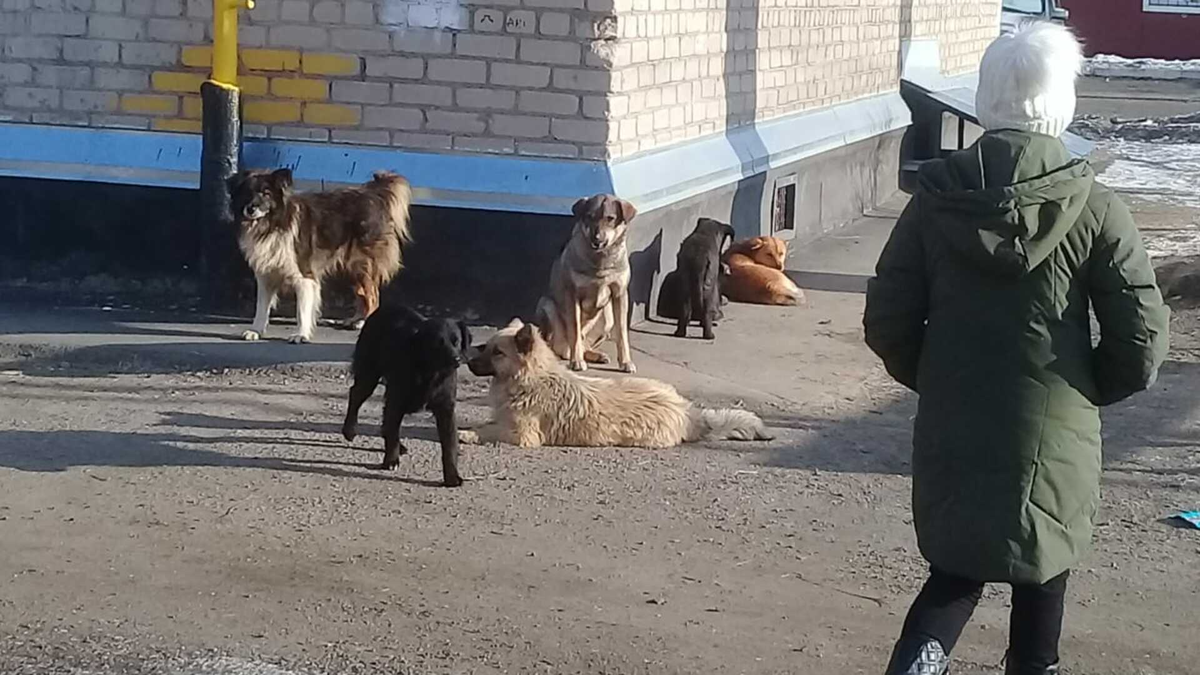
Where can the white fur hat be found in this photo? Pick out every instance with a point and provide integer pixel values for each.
(1027, 79)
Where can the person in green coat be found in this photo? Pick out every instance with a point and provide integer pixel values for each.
(981, 304)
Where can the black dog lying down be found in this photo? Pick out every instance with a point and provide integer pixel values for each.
(418, 359)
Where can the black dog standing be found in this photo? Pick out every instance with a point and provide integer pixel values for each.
(699, 266)
(418, 359)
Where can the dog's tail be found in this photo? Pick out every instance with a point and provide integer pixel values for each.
(399, 197)
(725, 423)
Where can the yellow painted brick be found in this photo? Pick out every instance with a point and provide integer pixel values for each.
(332, 114)
(312, 90)
(253, 85)
(197, 57)
(186, 126)
(182, 82)
(330, 64)
(193, 109)
(150, 104)
(271, 112)
(270, 59)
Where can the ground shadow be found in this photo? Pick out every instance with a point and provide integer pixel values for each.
(833, 282)
(645, 265)
(53, 451)
(408, 431)
(1154, 433)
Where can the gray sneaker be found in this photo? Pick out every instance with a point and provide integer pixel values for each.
(918, 658)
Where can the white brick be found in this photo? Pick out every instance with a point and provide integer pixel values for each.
(299, 134)
(10, 116)
(52, 5)
(582, 80)
(295, 11)
(423, 16)
(555, 4)
(458, 70)
(514, 75)
(422, 141)
(489, 20)
(265, 11)
(61, 119)
(168, 7)
(361, 40)
(596, 152)
(402, 67)
(539, 149)
(361, 92)
(139, 7)
(555, 23)
(487, 46)
(22, 5)
(503, 146)
(149, 54)
(252, 36)
(33, 47)
(14, 24)
(360, 13)
(550, 51)
(420, 41)
(31, 97)
(391, 117)
(491, 99)
(521, 126)
(441, 120)
(57, 23)
(298, 36)
(360, 137)
(90, 101)
(549, 102)
(178, 30)
(254, 130)
(115, 28)
(198, 9)
(522, 21)
(422, 94)
(454, 17)
(69, 77)
(108, 6)
(92, 51)
(586, 131)
(122, 78)
(328, 11)
(121, 121)
(15, 73)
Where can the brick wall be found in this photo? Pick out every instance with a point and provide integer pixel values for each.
(498, 76)
(558, 78)
(689, 68)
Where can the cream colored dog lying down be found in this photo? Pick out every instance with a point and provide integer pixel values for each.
(536, 401)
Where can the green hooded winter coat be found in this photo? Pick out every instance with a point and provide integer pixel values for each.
(980, 304)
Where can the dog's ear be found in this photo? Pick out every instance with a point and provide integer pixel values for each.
(727, 235)
(282, 178)
(525, 338)
(756, 243)
(580, 207)
(464, 334)
(628, 211)
(515, 323)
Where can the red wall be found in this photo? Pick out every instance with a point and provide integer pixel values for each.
(1121, 27)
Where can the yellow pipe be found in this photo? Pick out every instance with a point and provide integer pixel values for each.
(225, 47)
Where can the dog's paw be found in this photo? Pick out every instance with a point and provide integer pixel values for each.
(628, 368)
(349, 432)
(452, 481)
(299, 339)
(709, 336)
(357, 324)
(469, 436)
(680, 333)
(388, 465)
(578, 366)
(251, 335)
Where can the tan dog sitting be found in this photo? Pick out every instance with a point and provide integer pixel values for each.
(756, 273)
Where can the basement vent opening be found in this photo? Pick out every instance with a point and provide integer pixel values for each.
(783, 210)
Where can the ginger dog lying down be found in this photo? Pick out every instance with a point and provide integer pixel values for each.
(537, 401)
(756, 273)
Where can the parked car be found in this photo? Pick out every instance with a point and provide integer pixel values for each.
(1012, 12)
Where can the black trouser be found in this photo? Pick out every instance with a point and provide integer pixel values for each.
(946, 603)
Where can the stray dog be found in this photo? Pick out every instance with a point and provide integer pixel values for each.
(589, 286)
(418, 358)
(699, 265)
(756, 273)
(293, 241)
(536, 401)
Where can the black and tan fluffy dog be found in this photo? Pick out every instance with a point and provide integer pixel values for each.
(418, 359)
(699, 266)
(292, 241)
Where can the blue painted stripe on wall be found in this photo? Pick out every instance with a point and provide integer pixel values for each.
(173, 160)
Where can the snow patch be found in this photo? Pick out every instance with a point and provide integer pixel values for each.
(1108, 65)
(1162, 174)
